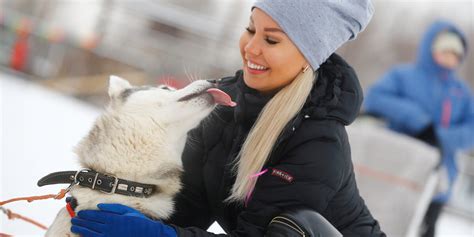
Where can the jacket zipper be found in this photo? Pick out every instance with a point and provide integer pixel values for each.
(289, 223)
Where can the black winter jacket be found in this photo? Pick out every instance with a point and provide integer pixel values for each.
(310, 165)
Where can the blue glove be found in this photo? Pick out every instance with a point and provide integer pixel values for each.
(118, 221)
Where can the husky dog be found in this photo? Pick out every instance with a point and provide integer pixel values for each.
(140, 138)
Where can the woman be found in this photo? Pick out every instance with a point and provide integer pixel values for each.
(281, 156)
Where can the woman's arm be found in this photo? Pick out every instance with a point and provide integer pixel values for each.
(191, 206)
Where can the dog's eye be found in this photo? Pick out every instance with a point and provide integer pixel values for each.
(166, 88)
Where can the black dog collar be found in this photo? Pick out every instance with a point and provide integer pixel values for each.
(98, 181)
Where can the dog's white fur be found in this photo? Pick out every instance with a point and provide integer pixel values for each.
(140, 137)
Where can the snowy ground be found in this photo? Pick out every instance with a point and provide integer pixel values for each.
(39, 129)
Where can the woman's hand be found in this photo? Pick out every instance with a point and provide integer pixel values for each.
(119, 221)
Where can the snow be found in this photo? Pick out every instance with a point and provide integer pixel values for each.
(39, 130)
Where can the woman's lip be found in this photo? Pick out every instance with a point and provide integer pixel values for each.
(256, 72)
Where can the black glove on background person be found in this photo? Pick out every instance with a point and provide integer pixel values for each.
(428, 135)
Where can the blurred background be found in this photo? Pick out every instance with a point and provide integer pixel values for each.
(56, 57)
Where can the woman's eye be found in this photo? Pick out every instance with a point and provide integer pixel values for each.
(270, 41)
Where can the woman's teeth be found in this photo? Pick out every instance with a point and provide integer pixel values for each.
(255, 66)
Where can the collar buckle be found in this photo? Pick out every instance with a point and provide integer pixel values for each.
(114, 186)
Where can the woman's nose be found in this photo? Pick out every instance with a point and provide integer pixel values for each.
(253, 47)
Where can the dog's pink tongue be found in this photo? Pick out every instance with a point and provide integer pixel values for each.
(221, 97)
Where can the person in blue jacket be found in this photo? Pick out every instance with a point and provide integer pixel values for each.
(427, 100)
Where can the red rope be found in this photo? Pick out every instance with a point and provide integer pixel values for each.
(11, 215)
(60, 195)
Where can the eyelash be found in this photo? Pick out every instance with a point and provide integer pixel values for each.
(269, 41)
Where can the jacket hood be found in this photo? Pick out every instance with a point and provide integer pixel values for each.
(337, 93)
(425, 56)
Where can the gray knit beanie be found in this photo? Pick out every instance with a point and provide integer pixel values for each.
(319, 27)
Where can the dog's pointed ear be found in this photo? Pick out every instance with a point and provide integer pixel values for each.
(117, 85)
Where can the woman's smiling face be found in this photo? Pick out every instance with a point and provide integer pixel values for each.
(270, 59)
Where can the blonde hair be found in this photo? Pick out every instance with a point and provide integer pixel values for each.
(270, 123)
